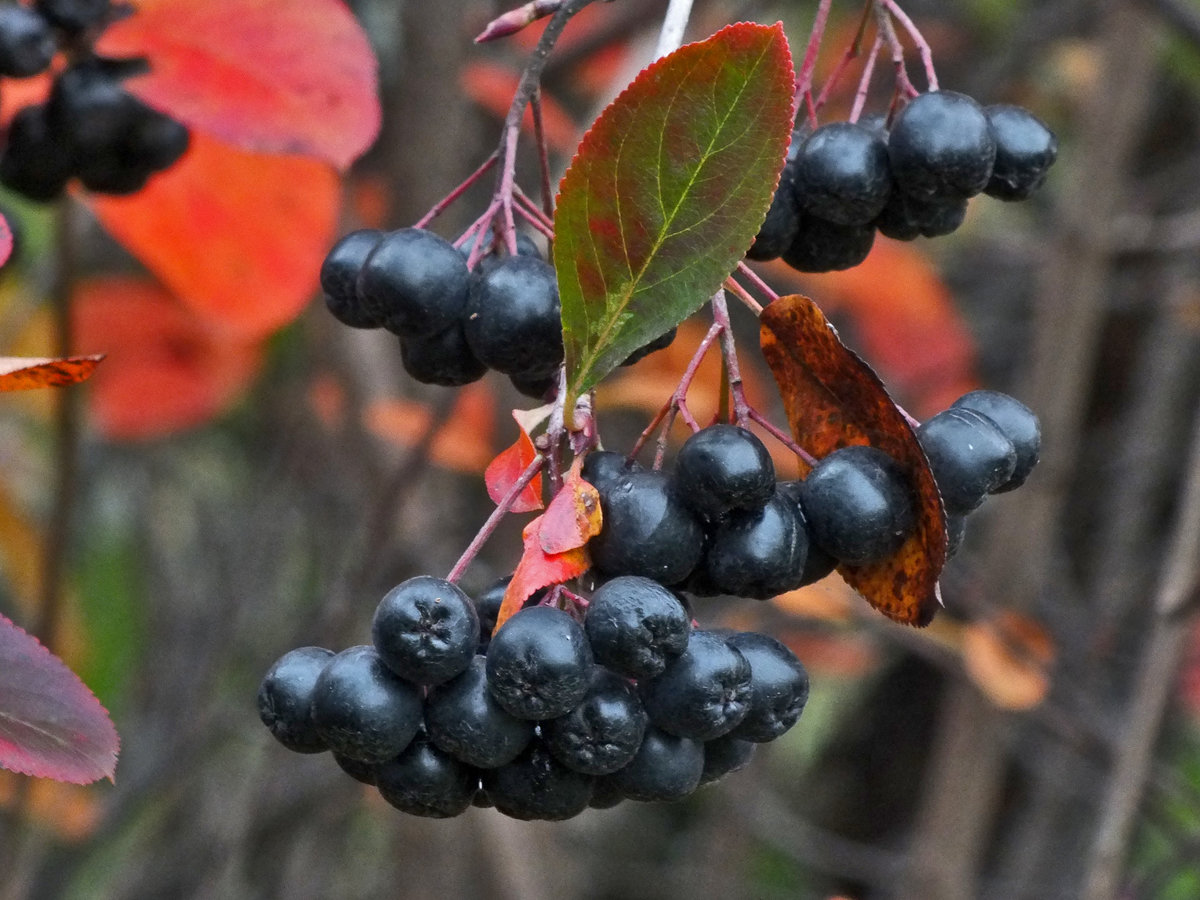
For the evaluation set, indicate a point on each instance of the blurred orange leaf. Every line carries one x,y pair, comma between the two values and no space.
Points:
538,569
505,471
463,443
1009,658
276,76
573,515
166,369
237,236
833,399
20,373
72,811
492,86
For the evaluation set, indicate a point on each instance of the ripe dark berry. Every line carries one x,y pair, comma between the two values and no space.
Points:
91,110
906,218
154,141
941,147
363,710
537,387
823,246
487,606
702,694
426,630
647,530
465,720
285,698
956,530
424,781
1019,425
443,359
34,162
26,42
1025,151
721,469
969,455
817,563
604,731
778,230
362,772
537,786
415,282
725,755
539,664
74,15
858,504
666,767
842,174
602,467
778,687
760,553
513,322
339,278
605,793
635,626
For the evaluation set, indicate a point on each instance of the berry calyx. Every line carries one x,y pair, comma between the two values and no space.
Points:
426,630
539,664
702,694
635,626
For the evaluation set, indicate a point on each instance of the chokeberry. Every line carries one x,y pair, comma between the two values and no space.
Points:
941,147
602,467
906,218
647,530
34,162
513,322
443,359
339,278
1017,422
703,693
465,720
666,767
604,731
778,229
536,387
537,786
285,698
415,282
635,626
758,553
362,772
74,15
426,630
969,455
1025,151
824,246
539,663
26,42
778,687
842,174
425,781
725,755
721,469
817,563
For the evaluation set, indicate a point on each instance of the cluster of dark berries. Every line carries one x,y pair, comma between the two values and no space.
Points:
847,180
453,323
90,127
547,716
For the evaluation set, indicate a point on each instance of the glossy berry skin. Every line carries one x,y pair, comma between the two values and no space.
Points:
339,278
363,710
956,530
466,721
702,694
666,767
941,147
90,109
74,15
425,781
906,218
858,504
778,687
34,162
415,282
363,773
778,229
635,626
537,786
843,174
603,732
969,455
722,469
647,530
758,554
725,755
444,359
26,42
1025,151
285,698
487,606
602,467
426,630
1018,424
539,664
513,321
824,246
817,563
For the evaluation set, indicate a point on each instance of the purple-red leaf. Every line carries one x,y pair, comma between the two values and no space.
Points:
51,725
6,240
667,191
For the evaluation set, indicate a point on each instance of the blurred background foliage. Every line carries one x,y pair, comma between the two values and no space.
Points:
1040,740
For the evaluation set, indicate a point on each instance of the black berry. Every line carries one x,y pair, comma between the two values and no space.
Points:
513,322
647,530
635,626
941,147
34,162
426,630
906,218
465,720
666,767
604,731
539,664
725,755
425,781
778,687
26,42
969,455
285,698
1019,425
723,468
703,693
842,174
758,553
602,467
1025,151
443,359
537,786
74,15
824,246
339,278
415,282
778,230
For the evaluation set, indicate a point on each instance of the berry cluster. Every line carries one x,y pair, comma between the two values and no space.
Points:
90,127
544,718
845,181
454,323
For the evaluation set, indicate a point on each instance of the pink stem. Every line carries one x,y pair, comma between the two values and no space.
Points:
805,75
782,437
501,510
539,131
904,86
741,409
744,295
864,83
917,38
515,19
441,205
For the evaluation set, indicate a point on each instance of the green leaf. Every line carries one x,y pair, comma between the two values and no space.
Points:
666,193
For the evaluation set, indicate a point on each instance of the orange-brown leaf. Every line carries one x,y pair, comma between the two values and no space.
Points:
573,516
538,569
1009,659
20,373
833,399
492,86
238,236
463,443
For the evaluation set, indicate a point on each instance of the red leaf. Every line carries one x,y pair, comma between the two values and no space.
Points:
6,240
538,569
276,76
237,236
573,516
166,370
19,373
51,725
505,470
492,86
833,400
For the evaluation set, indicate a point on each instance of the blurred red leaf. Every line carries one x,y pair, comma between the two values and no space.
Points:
833,399
276,76
238,236
166,369
51,725
6,240
573,516
492,86
505,470
19,373
462,443
538,569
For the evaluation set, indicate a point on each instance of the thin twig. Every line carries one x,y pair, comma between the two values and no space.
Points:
501,510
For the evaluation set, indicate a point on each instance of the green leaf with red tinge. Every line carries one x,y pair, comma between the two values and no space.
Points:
538,569
667,191
833,399
276,76
51,725
505,471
